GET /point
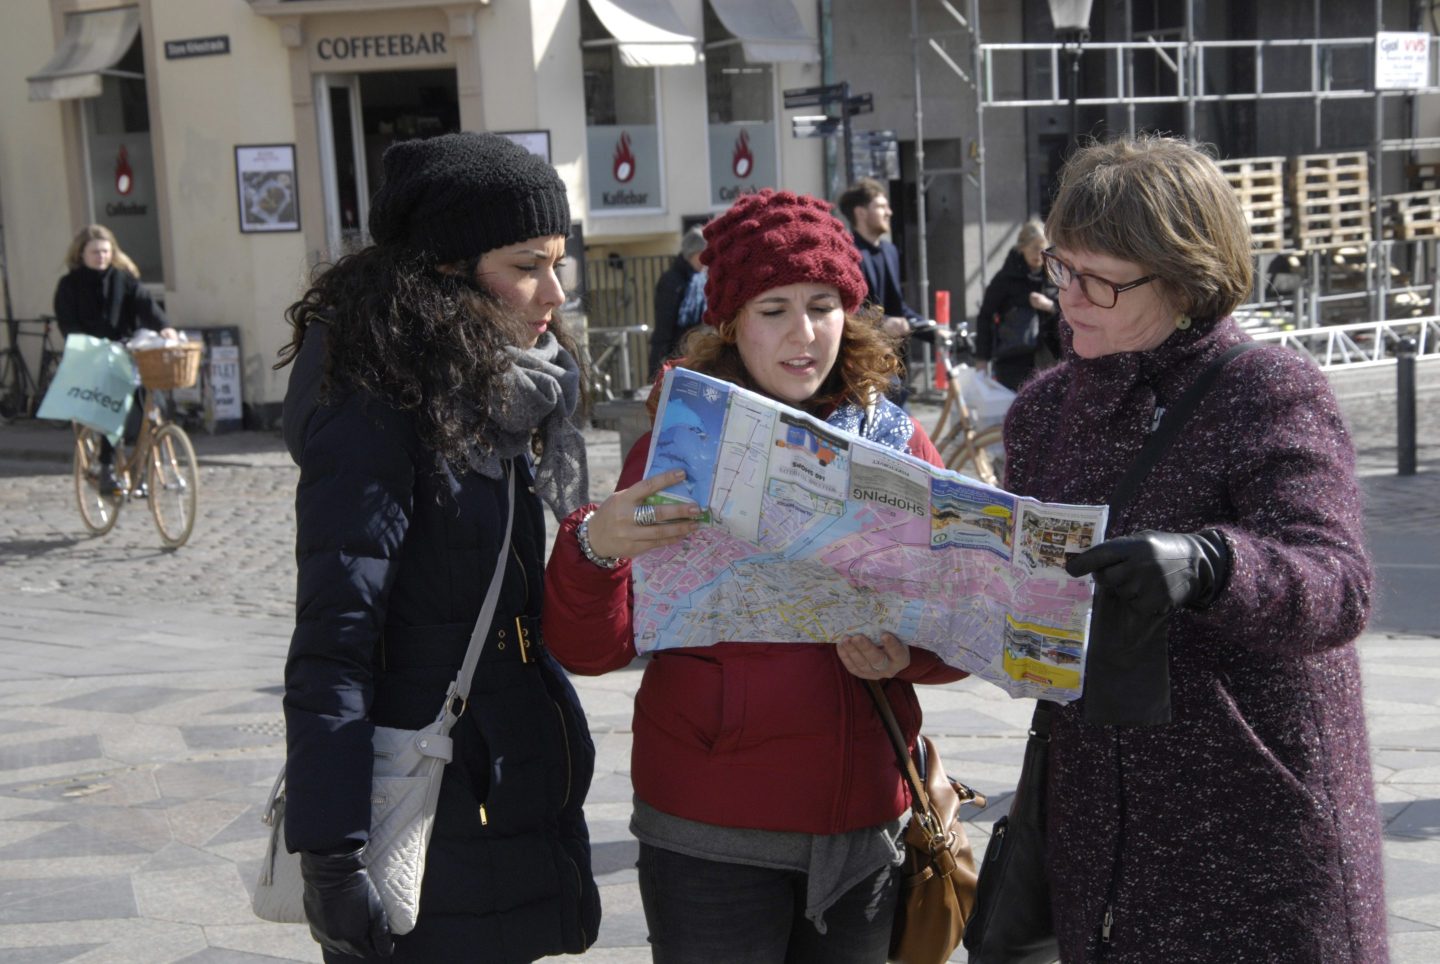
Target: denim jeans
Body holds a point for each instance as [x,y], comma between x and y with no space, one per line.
[705,911]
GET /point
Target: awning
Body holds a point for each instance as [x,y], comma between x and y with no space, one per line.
[93,44]
[769,31]
[648,32]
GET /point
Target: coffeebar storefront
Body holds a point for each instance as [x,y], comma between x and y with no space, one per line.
[233,145]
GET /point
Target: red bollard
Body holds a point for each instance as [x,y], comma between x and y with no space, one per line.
[942,318]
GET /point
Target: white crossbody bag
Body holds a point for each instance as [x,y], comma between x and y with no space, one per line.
[405,790]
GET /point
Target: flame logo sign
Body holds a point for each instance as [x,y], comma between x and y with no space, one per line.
[742,162]
[124,176]
[624,160]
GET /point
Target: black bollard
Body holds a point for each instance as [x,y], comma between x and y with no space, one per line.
[1405,407]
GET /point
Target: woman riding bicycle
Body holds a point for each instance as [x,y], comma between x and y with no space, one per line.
[101,296]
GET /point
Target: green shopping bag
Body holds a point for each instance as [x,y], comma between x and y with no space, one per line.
[94,385]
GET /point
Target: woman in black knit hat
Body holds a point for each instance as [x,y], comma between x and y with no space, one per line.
[428,368]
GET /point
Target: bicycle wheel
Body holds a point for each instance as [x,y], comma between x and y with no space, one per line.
[97,511]
[983,456]
[174,483]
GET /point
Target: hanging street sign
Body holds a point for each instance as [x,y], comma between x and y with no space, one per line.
[813,96]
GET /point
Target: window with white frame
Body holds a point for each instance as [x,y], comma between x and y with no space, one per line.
[621,135]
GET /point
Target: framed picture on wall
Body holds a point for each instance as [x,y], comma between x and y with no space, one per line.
[265,187]
[536,142]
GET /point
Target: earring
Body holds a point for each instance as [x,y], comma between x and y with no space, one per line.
[1183,322]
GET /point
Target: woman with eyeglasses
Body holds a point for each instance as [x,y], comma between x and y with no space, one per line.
[1210,796]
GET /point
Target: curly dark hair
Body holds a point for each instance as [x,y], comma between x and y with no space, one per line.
[419,338]
[866,362]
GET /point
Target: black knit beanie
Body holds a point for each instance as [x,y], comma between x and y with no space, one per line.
[459,195]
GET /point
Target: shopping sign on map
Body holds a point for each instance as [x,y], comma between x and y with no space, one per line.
[814,533]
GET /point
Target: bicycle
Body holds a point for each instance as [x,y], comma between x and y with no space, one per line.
[17,385]
[965,447]
[161,468]
[50,355]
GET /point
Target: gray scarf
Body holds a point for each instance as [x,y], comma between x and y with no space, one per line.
[541,389]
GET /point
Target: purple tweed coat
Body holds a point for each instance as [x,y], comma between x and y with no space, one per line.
[1246,829]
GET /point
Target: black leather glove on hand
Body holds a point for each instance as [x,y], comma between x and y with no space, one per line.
[343,906]
[1156,572]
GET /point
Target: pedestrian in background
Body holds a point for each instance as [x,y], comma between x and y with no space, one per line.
[100,295]
[866,206]
[767,801]
[428,367]
[1016,330]
[679,300]
[1239,822]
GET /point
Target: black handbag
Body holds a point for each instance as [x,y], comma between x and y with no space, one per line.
[1011,923]
[1017,333]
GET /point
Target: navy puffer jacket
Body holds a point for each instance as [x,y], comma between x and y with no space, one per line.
[395,554]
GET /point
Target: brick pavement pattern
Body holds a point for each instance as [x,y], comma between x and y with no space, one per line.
[140,724]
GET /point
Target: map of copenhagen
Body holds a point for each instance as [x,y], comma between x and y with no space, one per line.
[814,533]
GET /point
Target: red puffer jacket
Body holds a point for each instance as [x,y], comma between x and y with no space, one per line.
[771,736]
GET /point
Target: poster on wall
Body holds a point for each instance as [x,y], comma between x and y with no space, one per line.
[536,142]
[265,182]
[1402,60]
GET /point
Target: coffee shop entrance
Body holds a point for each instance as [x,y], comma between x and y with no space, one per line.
[358,116]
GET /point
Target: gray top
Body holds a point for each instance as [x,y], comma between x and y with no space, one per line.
[832,863]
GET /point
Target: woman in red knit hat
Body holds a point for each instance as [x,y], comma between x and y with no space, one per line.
[767,802]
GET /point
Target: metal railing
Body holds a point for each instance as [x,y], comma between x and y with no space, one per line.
[620,308]
[1363,344]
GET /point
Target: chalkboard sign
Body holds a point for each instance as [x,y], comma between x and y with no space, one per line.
[217,402]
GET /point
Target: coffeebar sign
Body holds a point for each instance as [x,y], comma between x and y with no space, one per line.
[374,46]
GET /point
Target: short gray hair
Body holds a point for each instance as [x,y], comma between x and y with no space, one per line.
[692,243]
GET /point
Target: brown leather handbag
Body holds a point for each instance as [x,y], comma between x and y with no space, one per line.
[937,891]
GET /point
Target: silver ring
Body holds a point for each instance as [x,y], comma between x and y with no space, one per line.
[645,515]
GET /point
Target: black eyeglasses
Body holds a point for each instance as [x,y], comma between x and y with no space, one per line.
[1100,292]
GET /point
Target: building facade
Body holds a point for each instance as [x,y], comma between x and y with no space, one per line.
[232,145]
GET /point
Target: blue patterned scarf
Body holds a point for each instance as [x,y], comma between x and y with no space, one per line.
[885,422]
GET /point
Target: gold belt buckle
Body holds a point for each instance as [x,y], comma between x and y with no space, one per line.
[523,634]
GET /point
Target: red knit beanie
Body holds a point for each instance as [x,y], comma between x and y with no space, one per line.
[774,238]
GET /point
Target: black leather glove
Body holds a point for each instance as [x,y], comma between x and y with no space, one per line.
[1156,572]
[343,906]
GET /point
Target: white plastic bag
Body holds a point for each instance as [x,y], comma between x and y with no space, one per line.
[986,398]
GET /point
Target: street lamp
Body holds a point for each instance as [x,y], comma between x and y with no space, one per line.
[1072,25]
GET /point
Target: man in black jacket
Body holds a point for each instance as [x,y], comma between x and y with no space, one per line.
[670,295]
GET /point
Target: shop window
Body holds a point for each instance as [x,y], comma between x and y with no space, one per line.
[740,101]
[120,170]
[621,134]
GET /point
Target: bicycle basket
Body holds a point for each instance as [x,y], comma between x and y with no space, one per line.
[176,366]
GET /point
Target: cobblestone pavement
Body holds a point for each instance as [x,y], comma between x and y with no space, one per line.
[140,724]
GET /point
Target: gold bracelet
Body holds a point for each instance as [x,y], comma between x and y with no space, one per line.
[582,535]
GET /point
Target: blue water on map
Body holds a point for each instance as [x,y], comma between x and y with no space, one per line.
[688,434]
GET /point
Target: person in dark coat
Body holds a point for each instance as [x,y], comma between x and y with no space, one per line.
[1015,329]
[428,368]
[100,295]
[866,206]
[1217,805]
[671,292]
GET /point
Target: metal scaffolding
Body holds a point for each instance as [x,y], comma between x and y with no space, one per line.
[1185,60]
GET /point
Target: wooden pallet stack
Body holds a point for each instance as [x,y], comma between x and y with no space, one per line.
[1413,215]
[1259,182]
[1330,195]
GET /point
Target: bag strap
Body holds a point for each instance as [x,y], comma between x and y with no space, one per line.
[919,798]
[460,689]
[1169,429]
